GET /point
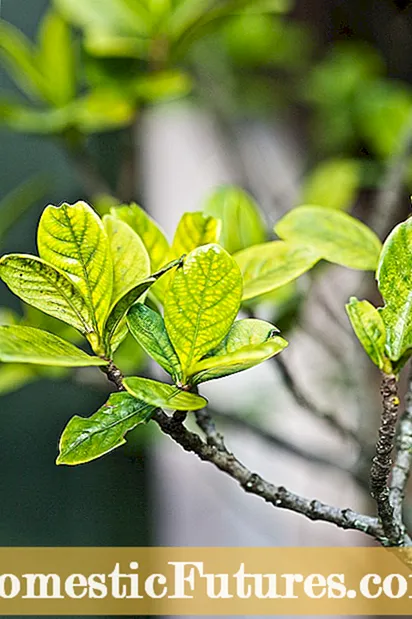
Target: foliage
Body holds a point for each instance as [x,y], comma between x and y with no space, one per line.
[96,275]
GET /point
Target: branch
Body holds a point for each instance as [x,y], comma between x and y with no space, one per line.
[284,444]
[254,484]
[403,460]
[204,420]
[382,462]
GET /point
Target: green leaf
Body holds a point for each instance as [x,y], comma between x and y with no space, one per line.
[161,86]
[272,265]
[333,184]
[152,236]
[14,376]
[105,15]
[56,58]
[119,311]
[29,345]
[248,343]
[102,110]
[194,230]
[84,440]
[148,328]
[370,330]
[242,223]
[41,285]
[162,395]
[17,55]
[336,236]
[131,262]
[72,238]
[33,120]
[202,302]
[394,275]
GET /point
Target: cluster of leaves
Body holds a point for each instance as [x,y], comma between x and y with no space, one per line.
[386,332]
[107,277]
[130,53]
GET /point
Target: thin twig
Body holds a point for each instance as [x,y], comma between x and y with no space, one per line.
[382,462]
[252,483]
[304,401]
[403,459]
[204,419]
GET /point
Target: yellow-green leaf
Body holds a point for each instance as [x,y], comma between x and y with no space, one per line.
[72,238]
[14,376]
[148,328]
[370,330]
[57,58]
[194,230]
[162,395]
[131,262]
[152,236]
[333,184]
[41,285]
[242,223]
[102,110]
[272,265]
[29,345]
[202,302]
[335,235]
[84,440]
[394,275]
[113,327]
[248,343]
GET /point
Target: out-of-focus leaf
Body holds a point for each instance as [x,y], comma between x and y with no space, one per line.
[56,58]
[334,183]
[202,302]
[106,15]
[160,394]
[272,265]
[335,235]
[248,343]
[152,236]
[72,237]
[16,203]
[370,330]
[32,120]
[242,223]
[14,376]
[18,57]
[194,230]
[162,86]
[131,262]
[148,328]
[101,110]
[85,439]
[28,345]
[394,275]
[107,45]
[39,284]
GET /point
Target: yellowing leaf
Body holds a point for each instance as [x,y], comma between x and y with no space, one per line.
[370,331]
[272,265]
[202,302]
[72,238]
[194,230]
[39,284]
[29,345]
[335,235]
[84,440]
[148,328]
[152,236]
[248,343]
[394,277]
[160,394]
[131,262]
[242,223]
[113,328]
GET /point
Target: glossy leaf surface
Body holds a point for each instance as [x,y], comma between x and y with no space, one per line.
[370,330]
[162,395]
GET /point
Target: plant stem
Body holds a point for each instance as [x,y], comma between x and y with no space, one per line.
[382,462]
